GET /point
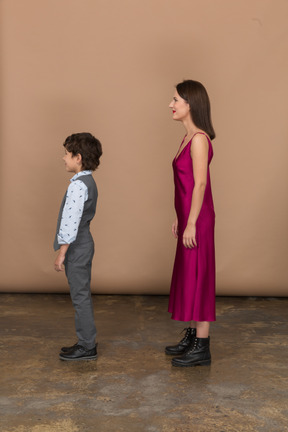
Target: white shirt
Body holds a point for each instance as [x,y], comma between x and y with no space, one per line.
[76,196]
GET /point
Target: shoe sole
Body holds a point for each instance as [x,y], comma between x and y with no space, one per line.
[79,358]
[202,363]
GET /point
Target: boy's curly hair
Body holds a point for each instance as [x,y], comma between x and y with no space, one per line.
[87,146]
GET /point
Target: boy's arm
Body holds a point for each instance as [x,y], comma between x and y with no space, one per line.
[58,265]
[72,212]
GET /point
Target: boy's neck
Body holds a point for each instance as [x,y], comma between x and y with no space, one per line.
[78,171]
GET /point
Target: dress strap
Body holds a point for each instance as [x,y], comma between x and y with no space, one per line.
[189,143]
[178,154]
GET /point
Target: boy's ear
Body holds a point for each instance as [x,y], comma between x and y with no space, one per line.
[79,158]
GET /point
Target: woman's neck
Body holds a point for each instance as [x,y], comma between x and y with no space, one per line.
[190,127]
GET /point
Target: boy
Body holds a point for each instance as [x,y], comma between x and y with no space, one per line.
[74,240]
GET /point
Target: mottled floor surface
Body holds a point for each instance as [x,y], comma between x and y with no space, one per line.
[132,386]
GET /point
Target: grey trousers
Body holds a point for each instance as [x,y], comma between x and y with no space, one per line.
[78,263]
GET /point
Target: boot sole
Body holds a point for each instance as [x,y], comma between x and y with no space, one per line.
[200,363]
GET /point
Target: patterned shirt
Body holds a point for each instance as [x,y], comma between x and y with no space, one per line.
[77,195]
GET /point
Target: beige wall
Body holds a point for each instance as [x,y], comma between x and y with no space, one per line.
[109,67]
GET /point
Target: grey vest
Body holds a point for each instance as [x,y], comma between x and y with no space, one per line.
[83,235]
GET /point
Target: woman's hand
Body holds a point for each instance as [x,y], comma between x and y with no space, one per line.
[175,228]
[189,236]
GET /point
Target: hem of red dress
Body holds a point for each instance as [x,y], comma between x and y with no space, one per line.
[193,319]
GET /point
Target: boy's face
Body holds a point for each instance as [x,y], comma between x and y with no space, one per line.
[72,163]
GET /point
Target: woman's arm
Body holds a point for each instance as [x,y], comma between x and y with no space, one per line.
[199,155]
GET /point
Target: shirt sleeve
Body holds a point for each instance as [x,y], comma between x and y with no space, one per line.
[77,195]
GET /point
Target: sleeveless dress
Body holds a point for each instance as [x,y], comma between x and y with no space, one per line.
[192,293]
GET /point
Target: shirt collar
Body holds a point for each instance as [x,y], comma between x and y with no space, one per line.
[81,173]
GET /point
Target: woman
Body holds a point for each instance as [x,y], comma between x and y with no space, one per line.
[192,294]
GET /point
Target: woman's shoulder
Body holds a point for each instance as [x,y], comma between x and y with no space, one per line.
[200,145]
[200,137]
[200,140]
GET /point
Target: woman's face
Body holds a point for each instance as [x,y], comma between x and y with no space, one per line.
[180,108]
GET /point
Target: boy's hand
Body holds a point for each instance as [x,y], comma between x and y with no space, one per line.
[58,265]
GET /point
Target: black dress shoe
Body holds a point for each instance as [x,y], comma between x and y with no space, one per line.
[79,353]
[67,349]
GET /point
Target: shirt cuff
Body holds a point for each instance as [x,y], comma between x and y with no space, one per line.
[61,241]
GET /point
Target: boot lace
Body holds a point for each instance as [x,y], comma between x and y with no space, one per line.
[193,347]
[187,334]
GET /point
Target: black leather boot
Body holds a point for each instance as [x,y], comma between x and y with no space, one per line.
[184,344]
[197,354]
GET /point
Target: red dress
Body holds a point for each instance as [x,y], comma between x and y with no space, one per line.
[192,293]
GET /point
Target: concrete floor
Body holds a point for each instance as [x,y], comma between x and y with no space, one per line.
[132,386]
